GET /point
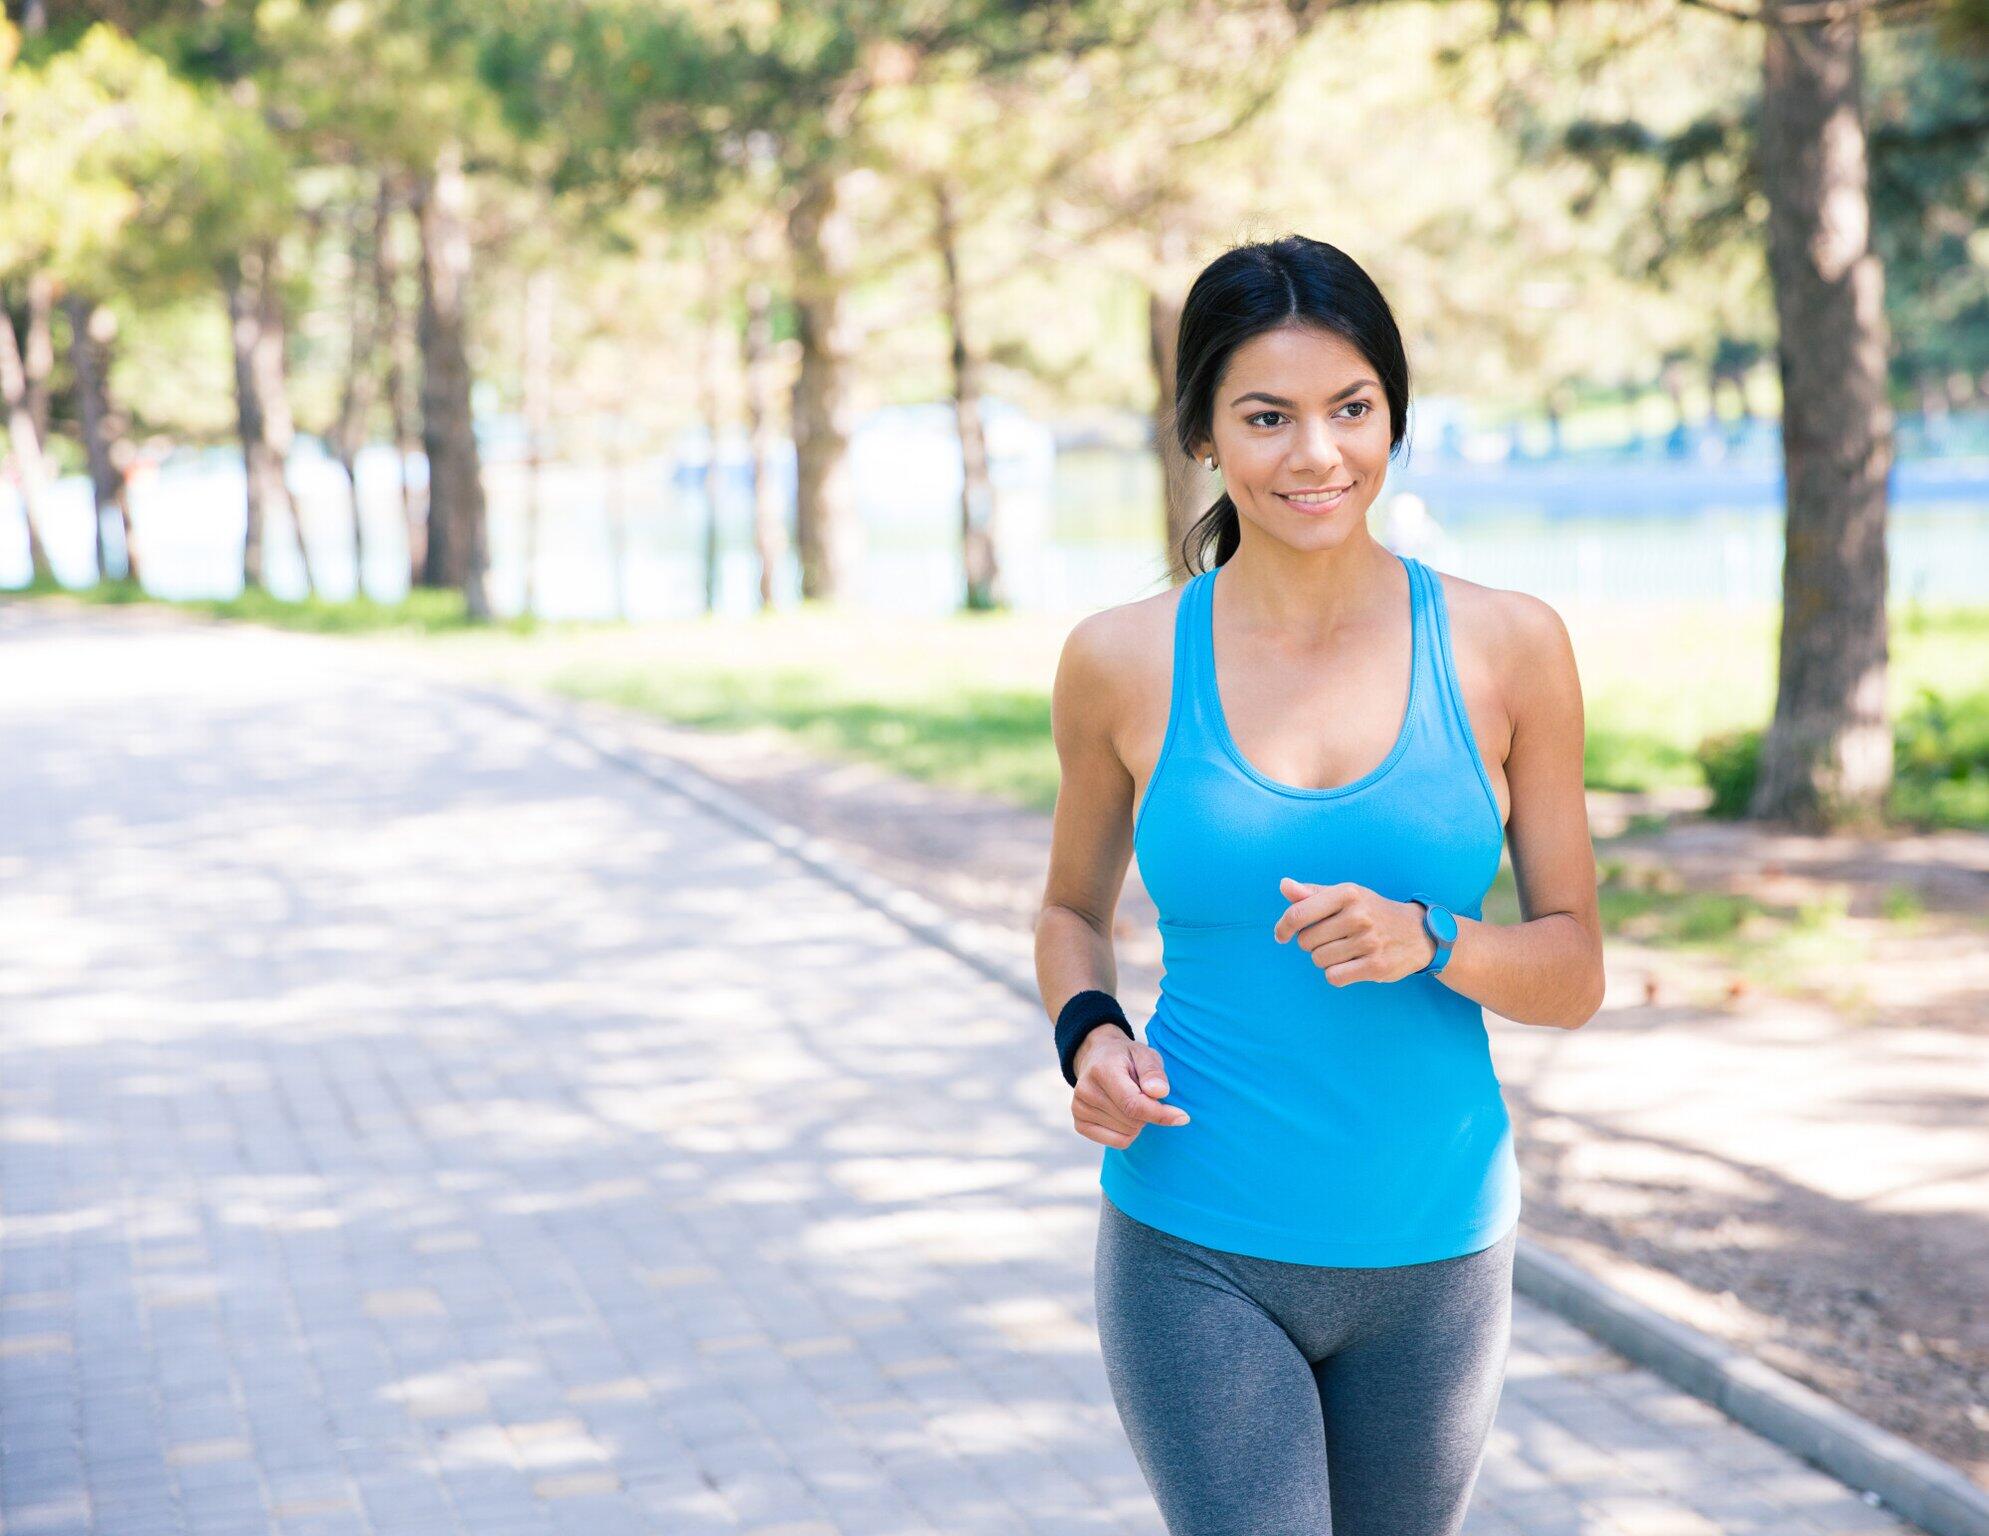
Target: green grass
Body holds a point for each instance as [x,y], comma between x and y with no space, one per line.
[990,741]
[1780,947]
[422,611]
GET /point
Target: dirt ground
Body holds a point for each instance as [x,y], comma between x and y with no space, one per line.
[1804,1177]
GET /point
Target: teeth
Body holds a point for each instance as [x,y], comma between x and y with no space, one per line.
[1314,501]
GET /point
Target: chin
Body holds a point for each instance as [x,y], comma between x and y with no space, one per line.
[1303,531]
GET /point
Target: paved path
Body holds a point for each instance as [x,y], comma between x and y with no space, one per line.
[410,1123]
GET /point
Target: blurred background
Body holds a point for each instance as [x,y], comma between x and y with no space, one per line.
[590,312]
[787,376]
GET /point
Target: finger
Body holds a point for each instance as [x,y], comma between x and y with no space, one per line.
[1349,920]
[1340,973]
[1150,1070]
[1101,1113]
[1324,901]
[1099,1130]
[1326,931]
[1136,1106]
[1120,1086]
[1340,947]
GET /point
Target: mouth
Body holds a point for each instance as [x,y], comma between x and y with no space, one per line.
[1315,501]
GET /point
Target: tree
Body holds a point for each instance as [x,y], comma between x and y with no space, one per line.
[1827,756]
[705,102]
[116,177]
[1808,162]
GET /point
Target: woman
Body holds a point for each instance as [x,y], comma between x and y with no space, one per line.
[1309,1198]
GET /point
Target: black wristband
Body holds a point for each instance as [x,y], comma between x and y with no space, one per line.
[1082,1014]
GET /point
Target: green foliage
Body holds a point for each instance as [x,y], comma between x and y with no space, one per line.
[622,92]
[1618,756]
[1940,763]
[118,176]
[1729,761]
[1930,197]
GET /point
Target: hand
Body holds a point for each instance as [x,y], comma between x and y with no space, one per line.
[1354,933]
[1120,1084]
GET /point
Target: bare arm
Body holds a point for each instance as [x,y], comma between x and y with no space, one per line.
[1120,1081]
[1091,840]
[1546,969]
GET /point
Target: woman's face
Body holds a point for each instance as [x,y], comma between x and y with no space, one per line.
[1299,410]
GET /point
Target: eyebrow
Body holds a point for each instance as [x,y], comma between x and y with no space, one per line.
[1258,394]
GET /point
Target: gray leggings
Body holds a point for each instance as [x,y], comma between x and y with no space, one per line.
[1240,1381]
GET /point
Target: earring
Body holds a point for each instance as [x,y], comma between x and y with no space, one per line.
[1210,461]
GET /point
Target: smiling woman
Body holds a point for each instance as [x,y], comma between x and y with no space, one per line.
[1310,1193]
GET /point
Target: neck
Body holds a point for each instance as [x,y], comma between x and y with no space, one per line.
[1306,594]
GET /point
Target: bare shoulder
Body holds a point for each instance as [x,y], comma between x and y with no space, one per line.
[1515,660]
[1111,653]
[1510,633]
[1116,671]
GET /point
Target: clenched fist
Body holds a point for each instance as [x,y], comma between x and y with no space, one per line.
[1353,933]
[1120,1084]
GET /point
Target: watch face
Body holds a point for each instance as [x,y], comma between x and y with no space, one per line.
[1443,925]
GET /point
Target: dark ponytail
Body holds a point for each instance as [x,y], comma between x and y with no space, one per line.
[1246,291]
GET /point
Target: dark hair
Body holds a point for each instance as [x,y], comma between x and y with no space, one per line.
[1246,291]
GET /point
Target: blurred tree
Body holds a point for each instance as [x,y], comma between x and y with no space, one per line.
[386,85]
[1155,148]
[367,314]
[120,179]
[1795,172]
[706,99]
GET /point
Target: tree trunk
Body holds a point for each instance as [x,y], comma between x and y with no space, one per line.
[262,402]
[617,513]
[1179,479]
[713,476]
[348,433]
[458,554]
[978,507]
[769,522]
[26,445]
[91,327]
[38,348]
[273,374]
[1827,758]
[414,516]
[536,369]
[824,510]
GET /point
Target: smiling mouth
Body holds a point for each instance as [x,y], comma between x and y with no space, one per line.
[1314,498]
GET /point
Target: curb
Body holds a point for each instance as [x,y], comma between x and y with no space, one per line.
[1913,1484]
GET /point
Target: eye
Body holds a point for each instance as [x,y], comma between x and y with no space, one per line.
[1252,419]
[1366,409]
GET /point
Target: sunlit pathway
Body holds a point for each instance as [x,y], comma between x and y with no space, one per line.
[411,1124]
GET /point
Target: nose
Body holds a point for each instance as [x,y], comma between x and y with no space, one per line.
[1315,451]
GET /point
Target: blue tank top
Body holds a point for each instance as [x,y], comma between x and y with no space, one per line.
[1359,1125]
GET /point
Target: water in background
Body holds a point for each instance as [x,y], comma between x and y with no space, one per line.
[1688,516]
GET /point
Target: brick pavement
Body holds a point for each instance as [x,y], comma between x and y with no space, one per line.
[410,1124]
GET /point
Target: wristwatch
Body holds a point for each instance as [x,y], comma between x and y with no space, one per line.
[1440,925]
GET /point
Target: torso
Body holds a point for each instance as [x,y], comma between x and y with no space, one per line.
[1330,1124]
[1364,686]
